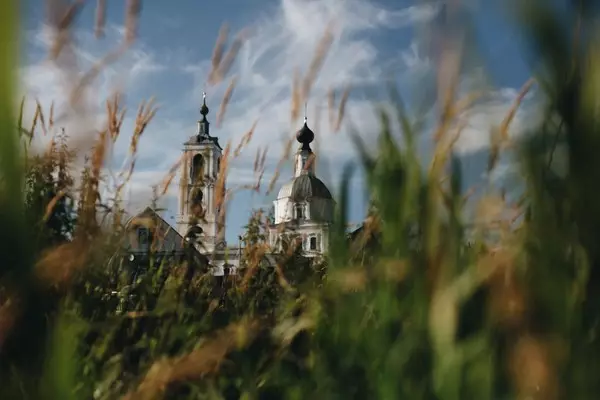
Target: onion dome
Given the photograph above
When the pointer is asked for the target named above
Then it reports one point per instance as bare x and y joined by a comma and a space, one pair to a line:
305, 136
204, 109
303, 188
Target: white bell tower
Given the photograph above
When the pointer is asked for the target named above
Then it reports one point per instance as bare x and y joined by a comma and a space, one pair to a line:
197, 200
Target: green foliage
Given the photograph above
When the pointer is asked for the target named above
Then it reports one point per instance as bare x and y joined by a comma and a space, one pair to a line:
49, 208
403, 309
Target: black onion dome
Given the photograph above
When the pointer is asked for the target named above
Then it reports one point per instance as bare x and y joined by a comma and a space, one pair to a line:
305, 136
204, 109
309, 186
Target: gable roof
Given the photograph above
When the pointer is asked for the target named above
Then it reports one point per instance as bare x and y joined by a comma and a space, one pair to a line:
150, 212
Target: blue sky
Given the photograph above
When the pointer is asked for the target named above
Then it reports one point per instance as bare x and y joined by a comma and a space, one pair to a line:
171, 60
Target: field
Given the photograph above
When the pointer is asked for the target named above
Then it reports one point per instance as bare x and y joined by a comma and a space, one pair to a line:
424, 303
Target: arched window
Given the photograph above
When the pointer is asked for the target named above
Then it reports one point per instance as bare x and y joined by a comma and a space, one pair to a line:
313, 243
299, 211
218, 165
144, 239
197, 167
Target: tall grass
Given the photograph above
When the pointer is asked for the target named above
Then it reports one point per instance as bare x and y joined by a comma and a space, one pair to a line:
405, 309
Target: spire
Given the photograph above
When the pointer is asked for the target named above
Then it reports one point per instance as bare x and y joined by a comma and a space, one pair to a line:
204, 109
305, 106
203, 124
304, 162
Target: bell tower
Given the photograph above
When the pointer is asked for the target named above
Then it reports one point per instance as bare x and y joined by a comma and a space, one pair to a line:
197, 206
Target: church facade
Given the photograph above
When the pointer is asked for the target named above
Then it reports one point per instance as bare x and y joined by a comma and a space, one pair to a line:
303, 208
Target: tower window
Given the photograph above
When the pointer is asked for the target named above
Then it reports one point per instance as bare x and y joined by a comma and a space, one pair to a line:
313, 243
299, 211
197, 167
143, 239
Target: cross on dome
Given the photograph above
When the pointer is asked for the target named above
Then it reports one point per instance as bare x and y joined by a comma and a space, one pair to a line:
204, 109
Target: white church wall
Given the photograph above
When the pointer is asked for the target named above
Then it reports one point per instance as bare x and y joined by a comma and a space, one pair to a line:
284, 210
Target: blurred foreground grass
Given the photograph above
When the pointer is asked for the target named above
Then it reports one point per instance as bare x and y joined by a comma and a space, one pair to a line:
406, 310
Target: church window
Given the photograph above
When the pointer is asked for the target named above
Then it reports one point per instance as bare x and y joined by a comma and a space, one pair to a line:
299, 211
143, 239
197, 167
313, 243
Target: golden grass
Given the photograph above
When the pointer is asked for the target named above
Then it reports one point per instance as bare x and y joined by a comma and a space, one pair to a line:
500, 138
58, 265
198, 364
225, 102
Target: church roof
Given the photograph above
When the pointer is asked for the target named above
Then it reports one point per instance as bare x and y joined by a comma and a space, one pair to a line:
206, 139
304, 187
203, 136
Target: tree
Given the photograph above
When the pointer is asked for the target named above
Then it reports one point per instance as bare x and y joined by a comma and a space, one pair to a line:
49, 205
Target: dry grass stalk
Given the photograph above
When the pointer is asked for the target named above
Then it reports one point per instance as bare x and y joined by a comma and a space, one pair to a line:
310, 161
286, 257
221, 65
259, 167
499, 137
285, 156
99, 155
36, 117
297, 98
371, 226
220, 188
350, 280
317, 128
341, 109
41, 117
57, 266
51, 116
100, 19
201, 362
52, 204
531, 369
87, 78
146, 222
133, 9
245, 140
449, 76
61, 17
115, 116
504, 127
168, 179
146, 113
185, 167
253, 256
225, 102
219, 48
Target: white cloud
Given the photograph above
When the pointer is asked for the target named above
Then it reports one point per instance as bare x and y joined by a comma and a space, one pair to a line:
52, 82
283, 39
488, 115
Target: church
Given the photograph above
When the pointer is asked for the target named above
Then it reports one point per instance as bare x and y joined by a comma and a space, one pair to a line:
304, 208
